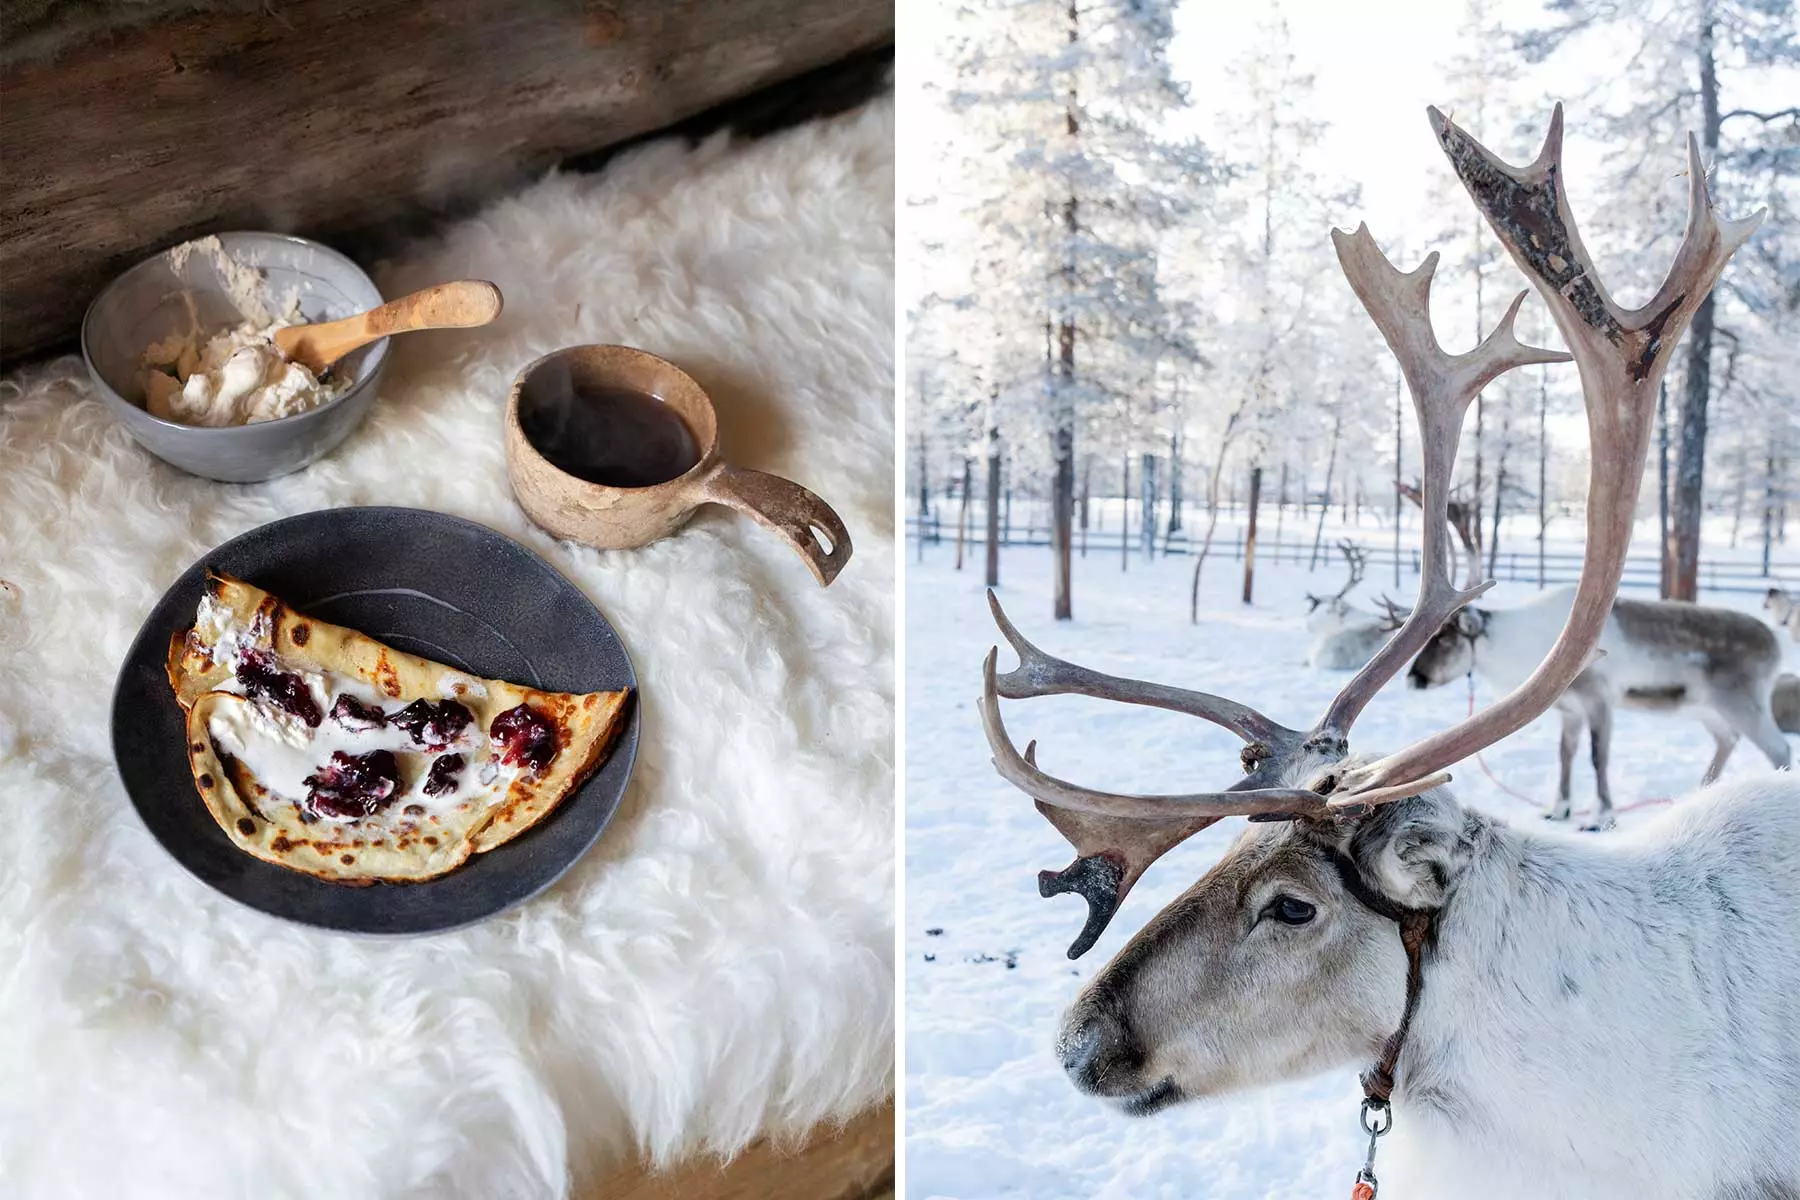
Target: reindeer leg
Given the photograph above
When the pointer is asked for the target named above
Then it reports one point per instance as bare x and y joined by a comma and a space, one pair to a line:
1599, 714
1573, 723
1759, 726
1725, 740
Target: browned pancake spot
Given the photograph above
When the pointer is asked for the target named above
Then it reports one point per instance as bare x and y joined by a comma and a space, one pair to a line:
301, 632
430, 841
206, 781
590, 701
386, 676
246, 826
281, 845
199, 746
347, 859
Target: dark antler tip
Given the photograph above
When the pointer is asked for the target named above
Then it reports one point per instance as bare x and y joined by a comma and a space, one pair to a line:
1096, 878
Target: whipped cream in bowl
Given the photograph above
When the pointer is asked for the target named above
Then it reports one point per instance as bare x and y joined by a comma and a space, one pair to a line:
179, 347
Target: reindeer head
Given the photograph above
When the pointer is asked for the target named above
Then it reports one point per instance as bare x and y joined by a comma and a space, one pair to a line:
1450, 654
1281, 960
1189, 1007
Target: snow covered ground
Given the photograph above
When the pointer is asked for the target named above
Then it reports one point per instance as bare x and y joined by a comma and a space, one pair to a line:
989, 1113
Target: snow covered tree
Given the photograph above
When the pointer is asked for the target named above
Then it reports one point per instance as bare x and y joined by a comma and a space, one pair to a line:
1066, 103
1703, 65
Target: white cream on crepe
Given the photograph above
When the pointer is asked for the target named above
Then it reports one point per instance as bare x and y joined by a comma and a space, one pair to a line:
252, 751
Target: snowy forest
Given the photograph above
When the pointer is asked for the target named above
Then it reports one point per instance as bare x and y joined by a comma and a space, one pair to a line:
1145, 407
1128, 337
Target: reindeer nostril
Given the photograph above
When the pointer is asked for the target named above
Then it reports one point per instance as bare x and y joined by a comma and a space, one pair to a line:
1080, 1049
1100, 1056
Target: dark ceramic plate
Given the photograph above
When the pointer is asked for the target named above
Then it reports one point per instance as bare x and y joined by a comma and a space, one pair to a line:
432, 585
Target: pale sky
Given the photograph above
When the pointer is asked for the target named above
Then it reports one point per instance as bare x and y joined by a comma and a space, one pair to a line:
1377, 64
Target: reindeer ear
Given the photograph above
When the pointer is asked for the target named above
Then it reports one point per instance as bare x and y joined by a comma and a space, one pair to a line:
1471, 621
1414, 850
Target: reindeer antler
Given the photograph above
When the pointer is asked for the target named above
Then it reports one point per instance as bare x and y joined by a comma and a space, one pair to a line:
1116, 837
1356, 560
1442, 386
1620, 356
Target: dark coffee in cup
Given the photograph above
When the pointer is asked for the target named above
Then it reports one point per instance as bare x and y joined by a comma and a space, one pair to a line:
607, 434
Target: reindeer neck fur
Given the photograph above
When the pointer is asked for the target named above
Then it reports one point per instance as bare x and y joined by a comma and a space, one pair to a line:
1601, 1017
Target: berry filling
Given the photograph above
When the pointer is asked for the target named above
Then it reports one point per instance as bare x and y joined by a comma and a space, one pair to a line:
524, 738
356, 716
433, 726
442, 776
263, 680
354, 785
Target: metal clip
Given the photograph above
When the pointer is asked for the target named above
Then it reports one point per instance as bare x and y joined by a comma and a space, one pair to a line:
1377, 1119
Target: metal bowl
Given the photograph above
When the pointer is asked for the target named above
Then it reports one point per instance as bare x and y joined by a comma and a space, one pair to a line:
145, 305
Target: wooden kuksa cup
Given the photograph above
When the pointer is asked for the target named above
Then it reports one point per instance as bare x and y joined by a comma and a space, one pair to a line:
622, 518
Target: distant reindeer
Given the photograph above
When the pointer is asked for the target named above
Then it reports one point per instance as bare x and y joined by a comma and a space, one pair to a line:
1785, 610
1344, 636
1714, 663
1784, 703
1565, 1019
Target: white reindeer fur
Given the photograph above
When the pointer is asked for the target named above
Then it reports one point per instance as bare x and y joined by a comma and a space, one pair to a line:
1344, 636
1613, 1018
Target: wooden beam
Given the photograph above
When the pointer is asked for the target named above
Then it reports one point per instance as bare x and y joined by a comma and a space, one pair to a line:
852, 1163
333, 118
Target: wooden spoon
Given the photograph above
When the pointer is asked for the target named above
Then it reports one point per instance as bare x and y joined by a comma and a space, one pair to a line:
459, 305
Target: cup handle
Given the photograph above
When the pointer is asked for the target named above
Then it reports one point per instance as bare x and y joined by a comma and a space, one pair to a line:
806, 521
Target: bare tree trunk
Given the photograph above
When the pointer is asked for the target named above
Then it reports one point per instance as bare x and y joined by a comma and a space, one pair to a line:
1125, 516
962, 515
1212, 512
1006, 528
1737, 502
1147, 505
1174, 525
1062, 526
1666, 573
1768, 520
1250, 536
1087, 475
1281, 506
1399, 452
1337, 427
924, 496
1499, 493
1688, 501
993, 508
1543, 468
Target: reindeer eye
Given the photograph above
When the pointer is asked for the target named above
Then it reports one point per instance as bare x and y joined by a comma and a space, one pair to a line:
1290, 911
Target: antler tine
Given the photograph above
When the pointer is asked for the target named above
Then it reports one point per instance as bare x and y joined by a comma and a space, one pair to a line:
1040, 674
1442, 387
1394, 615
1022, 772
1356, 560
1620, 356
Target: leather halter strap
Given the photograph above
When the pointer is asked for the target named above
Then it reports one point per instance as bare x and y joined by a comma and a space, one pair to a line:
1415, 928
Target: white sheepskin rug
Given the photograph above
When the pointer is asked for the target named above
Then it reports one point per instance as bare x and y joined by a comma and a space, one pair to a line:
719, 967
